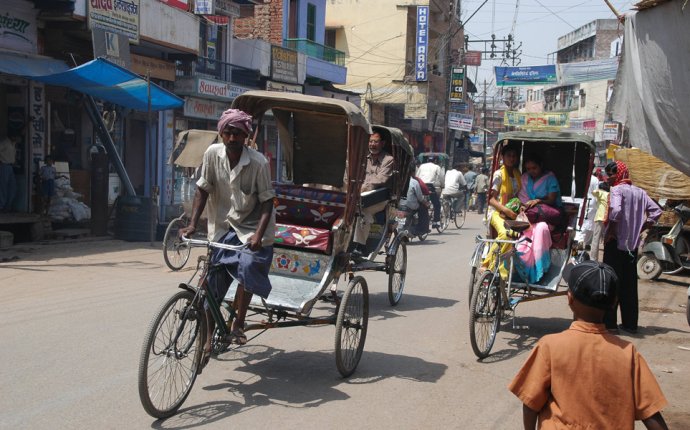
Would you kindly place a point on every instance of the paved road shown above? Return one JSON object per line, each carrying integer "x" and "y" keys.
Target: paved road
{"x": 74, "y": 315}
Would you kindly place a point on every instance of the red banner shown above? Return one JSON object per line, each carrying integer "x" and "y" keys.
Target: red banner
{"x": 473, "y": 58}
{"x": 180, "y": 4}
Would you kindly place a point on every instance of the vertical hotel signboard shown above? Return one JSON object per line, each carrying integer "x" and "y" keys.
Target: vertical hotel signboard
{"x": 422, "y": 42}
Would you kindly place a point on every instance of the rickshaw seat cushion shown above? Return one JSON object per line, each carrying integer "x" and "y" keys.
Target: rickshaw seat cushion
{"x": 295, "y": 236}
{"x": 308, "y": 207}
{"x": 370, "y": 198}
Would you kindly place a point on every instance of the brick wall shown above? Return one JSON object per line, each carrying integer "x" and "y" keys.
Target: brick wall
{"x": 266, "y": 23}
{"x": 604, "y": 38}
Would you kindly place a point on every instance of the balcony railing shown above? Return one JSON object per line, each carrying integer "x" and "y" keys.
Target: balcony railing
{"x": 316, "y": 50}
{"x": 204, "y": 67}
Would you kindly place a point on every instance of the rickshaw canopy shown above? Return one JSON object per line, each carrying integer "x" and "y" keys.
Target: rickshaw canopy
{"x": 191, "y": 146}
{"x": 570, "y": 156}
{"x": 442, "y": 156}
{"x": 317, "y": 134}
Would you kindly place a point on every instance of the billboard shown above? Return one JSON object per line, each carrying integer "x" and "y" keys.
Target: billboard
{"x": 472, "y": 58}
{"x": 459, "y": 121}
{"x": 536, "y": 120}
{"x": 457, "y": 80}
{"x": 525, "y": 76}
{"x": 117, "y": 16}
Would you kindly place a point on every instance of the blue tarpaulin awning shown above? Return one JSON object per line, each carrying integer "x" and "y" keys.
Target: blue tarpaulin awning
{"x": 24, "y": 65}
{"x": 107, "y": 81}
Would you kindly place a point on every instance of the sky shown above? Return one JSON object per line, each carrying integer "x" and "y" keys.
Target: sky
{"x": 538, "y": 26}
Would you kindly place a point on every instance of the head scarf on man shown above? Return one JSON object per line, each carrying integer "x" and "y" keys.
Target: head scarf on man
{"x": 621, "y": 173}
{"x": 235, "y": 118}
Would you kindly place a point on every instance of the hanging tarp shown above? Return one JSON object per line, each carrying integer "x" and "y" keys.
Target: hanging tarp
{"x": 29, "y": 65}
{"x": 584, "y": 71}
{"x": 104, "y": 80}
{"x": 651, "y": 96}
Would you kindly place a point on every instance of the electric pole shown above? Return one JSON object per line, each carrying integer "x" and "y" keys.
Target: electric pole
{"x": 484, "y": 152}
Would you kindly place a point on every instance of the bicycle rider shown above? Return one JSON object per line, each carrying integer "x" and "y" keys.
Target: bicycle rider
{"x": 432, "y": 175}
{"x": 454, "y": 187}
{"x": 414, "y": 202}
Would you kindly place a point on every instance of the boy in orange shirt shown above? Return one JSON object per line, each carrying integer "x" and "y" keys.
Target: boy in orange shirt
{"x": 585, "y": 377}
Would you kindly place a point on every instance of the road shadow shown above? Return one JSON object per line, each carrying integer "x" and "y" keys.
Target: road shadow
{"x": 43, "y": 267}
{"x": 380, "y": 308}
{"x": 40, "y": 252}
{"x": 263, "y": 376}
{"x": 523, "y": 337}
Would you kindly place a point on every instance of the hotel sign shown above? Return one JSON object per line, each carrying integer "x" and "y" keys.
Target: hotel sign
{"x": 284, "y": 65}
{"x": 422, "y": 43}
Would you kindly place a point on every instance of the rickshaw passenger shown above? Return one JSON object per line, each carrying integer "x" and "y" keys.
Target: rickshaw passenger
{"x": 432, "y": 175}
{"x": 379, "y": 174}
{"x": 236, "y": 182}
{"x": 541, "y": 196}
{"x": 415, "y": 202}
{"x": 505, "y": 186}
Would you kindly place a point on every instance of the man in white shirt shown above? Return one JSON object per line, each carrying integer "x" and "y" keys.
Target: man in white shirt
{"x": 432, "y": 175}
{"x": 454, "y": 185}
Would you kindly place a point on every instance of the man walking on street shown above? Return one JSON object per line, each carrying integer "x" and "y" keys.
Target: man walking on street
{"x": 481, "y": 183}
{"x": 630, "y": 212}
{"x": 470, "y": 180}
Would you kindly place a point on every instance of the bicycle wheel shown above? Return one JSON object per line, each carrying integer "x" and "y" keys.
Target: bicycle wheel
{"x": 445, "y": 213}
{"x": 171, "y": 354}
{"x": 397, "y": 268}
{"x": 484, "y": 315}
{"x": 175, "y": 252}
{"x": 459, "y": 218}
{"x": 473, "y": 272}
{"x": 351, "y": 326}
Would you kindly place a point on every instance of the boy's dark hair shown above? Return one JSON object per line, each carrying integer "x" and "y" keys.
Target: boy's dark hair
{"x": 515, "y": 147}
{"x": 604, "y": 186}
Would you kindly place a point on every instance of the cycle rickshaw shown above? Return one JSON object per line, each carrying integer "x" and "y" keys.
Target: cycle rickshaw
{"x": 324, "y": 143}
{"x": 385, "y": 237}
{"x": 570, "y": 157}
{"x": 450, "y": 207}
{"x": 188, "y": 153}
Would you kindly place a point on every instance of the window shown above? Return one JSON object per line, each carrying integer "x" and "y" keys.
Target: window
{"x": 330, "y": 37}
{"x": 292, "y": 20}
{"x": 311, "y": 22}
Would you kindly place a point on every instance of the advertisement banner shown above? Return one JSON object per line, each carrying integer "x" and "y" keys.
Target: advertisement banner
{"x": 203, "y": 108}
{"x": 457, "y": 82}
{"x": 582, "y": 125}
{"x": 118, "y": 16}
{"x": 18, "y": 27}
{"x": 536, "y": 120}
{"x": 422, "y": 42}
{"x": 524, "y": 76}
{"x": 38, "y": 128}
{"x": 111, "y": 46}
{"x": 610, "y": 131}
{"x": 459, "y": 121}
{"x": 472, "y": 58}
{"x": 284, "y": 65}
{"x": 180, "y": 4}
{"x": 209, "y": 88}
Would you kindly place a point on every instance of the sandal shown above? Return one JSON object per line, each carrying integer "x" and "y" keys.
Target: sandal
{"x": 238, "y": 336}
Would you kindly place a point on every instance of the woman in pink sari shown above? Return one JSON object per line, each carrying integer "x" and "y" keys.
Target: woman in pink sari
{"x": 541, "y": 197}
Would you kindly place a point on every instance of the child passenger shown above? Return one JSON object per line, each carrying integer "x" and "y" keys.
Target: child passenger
{"x": 585, "y": 377}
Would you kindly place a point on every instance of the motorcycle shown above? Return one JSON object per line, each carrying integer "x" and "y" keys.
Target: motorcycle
{"x": 668, "y": 253}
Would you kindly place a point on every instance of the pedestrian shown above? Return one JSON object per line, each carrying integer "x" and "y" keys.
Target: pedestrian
{"x": 378, "y": 174}
{"x": 601, "y": 195}
{"x": 47, "y": 174}
{"x": 586, "y": 377}
{"x": 482, "y": 185}
{"x": 432, "y": 175}
{"x": 470, "y": 180}
{"x": 235, "y": 180}
{"x": 585, "y": 235}
{"x": 8, "y": 182}
{"x": 630, "y": 212}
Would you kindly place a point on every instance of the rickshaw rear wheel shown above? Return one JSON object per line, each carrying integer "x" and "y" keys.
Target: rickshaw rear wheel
{"x": 167, "y": 371}
{"x": 397, "y": 269}
{"x": 485, "y": 314}
{"x": 351, "y": 326}
{"x": 175, "y": 252}
{"x": 445, "y": 216}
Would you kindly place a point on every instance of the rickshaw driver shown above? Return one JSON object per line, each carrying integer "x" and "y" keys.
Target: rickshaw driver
{"x": 379, "y": 174}
{"x": 236, "y": 182}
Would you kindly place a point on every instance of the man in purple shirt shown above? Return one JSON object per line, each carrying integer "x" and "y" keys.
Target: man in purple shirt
{"x": 630, "y": 212}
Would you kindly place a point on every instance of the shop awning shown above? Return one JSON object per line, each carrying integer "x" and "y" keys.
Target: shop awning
{"x": 107, "y": 81}
{"x": 26, "y": 65}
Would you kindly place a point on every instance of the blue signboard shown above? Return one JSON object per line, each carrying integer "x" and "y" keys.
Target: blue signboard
{"x": 422, "y": 42}
{"x": 523, "y": 76}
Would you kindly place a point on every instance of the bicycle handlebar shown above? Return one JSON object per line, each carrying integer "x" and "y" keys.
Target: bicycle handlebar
{"x": 199, "y": 242}
{"x": 512, "y": 242}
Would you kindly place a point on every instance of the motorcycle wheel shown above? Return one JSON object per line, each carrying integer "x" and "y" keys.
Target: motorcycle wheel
{"x": 648, "y": 267}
